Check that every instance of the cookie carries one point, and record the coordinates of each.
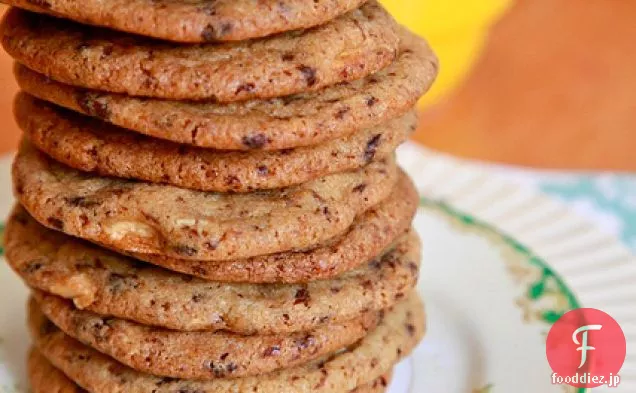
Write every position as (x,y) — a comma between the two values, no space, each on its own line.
(196,355)
(370,235)
(395,337)
(351,47)
(275,124)
(196,21)
(167,220)
(44,378)
(94,146)
(113,285)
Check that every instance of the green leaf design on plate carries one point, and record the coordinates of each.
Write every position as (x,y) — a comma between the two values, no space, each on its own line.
(546,298)
(485,389)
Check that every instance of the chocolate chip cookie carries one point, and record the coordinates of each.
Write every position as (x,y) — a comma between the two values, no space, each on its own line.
(353,46)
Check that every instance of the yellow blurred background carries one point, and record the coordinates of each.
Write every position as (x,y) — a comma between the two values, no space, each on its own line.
(456,29)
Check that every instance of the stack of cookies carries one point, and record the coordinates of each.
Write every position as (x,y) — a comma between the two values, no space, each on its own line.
(209,200)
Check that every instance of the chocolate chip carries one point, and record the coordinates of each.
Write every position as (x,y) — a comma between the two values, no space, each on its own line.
(232,181)
(367,284)
(185,250)
(410,328)
(118,283)
(372,146)
(305,342)
(309,74)
(272,351)
(262,170)
(55,223)
(359,187)
(101,328)
(255,141)
(32,267)
(90,104)
(220,370)
(166,380)
(371,101)
(197,297)
(208,33)
(231,367)
(246,87)
(302,297)
(107,51)
(288,57)
(224,356)
(226,28)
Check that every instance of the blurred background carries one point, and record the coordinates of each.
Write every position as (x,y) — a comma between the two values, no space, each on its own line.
(536,83)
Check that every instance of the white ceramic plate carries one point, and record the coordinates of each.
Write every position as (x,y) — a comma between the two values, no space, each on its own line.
(500,265)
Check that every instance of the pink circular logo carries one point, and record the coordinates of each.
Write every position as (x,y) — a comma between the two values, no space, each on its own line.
(586,348)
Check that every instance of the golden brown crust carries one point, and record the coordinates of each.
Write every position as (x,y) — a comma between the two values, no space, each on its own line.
(91,145)
(353,46)
(196,21)
(395,337)
(282,123)
(166,220)
(196,355)
(370,235)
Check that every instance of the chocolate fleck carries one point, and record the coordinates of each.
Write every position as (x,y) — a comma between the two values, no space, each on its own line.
(372,146)
(359,187)
(246,87)
(208,33)
(309,74)
(91,105)
(255,141)
(302,297)
(272,351)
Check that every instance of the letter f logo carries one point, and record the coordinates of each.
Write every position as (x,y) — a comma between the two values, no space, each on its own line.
(583,346)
